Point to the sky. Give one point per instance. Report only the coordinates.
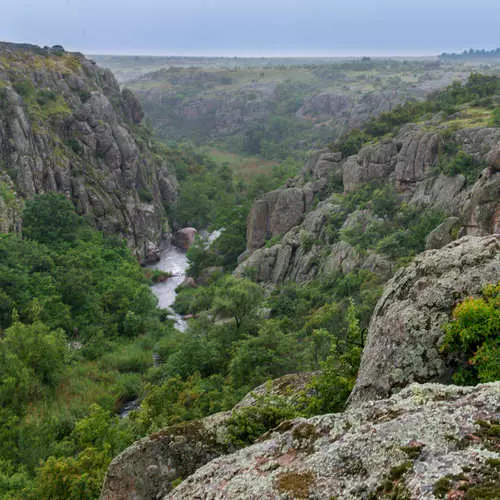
(254, 27)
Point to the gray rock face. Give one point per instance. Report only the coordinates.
(275, 214)
(399, 446)
(406, 326)
(419, 153)
(409, 163)
(482, 209)
(65, 126)
(443, 234)
(373, 163)
(146, 470)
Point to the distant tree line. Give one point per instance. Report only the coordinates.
(473, 54)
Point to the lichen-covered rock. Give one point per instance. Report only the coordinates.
(66, 126)
(406, 327)
(372, 164)
(147, 469)
(426, 441)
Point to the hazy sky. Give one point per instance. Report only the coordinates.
(254, 27)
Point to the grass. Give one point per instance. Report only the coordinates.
(247, 167)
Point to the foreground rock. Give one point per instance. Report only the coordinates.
(426, 441)
(406, 326)
(147, 469)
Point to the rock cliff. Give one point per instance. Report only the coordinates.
(150, 467)
(300, 225)
(66, 126)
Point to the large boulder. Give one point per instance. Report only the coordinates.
(275, 214)
(147, 469)
(406, 326)
(427, 441)
(184, 238)
(445, 233)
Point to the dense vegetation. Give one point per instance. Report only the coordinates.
(213, 196)
(77, 325)
(473, 336)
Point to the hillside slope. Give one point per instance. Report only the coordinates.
(66, 126)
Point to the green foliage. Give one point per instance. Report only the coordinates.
(473, 336)
(248, 423)
(351, 142)
(275, 240)
(340, 369)
(24, 88)
(459, 162)
(495, 117)
(65, 285)
(237, 298)
(200, 258)
(382, 222)
(474, 91)
(145, 195)
(50, 219)
(268, 355)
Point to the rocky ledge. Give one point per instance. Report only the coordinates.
(428, 441)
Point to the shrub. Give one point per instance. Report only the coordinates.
(461, 163)
(145, 195)
(473, 336)
(25, 88)
(51, 219)
(249, 423)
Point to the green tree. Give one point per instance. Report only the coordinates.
(237, 298)
(51, 219)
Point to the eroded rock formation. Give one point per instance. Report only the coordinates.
(303, 248)
(66, 126)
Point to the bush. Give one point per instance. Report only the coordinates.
(473, 336)
(249, 423)
(461, 163)
(25, 88)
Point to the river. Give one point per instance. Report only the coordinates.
(172, 260)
